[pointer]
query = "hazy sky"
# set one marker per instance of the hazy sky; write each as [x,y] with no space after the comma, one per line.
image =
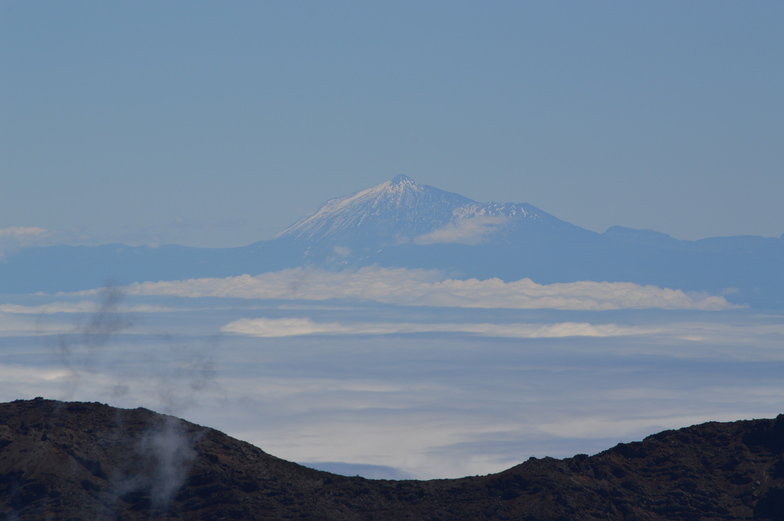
[220,123]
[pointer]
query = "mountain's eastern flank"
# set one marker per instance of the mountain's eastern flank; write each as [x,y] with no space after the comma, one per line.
[401,223]
[80,461]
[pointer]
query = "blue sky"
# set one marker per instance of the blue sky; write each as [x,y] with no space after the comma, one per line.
[219,124]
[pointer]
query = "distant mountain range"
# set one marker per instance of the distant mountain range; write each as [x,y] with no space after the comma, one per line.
[61,460]
[401,223]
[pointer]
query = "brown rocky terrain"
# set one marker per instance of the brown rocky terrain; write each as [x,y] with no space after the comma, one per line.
[89,461]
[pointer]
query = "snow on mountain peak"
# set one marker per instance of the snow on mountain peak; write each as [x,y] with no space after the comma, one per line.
[396,189]
[400,206]
[401,183]
[401,210]
[402,178]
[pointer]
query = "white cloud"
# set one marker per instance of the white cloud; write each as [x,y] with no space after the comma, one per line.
[16,238]
[83,306]
[20,320]
[281,327]
[430,288]
[471,231]
[20,232]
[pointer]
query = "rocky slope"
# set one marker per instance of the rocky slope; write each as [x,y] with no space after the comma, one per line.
[91,461]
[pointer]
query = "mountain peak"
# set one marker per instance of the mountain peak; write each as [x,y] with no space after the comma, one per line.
[401,211]
[398,207]
[397,187]
[402,179]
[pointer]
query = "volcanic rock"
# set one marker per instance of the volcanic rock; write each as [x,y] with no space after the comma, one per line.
[89,461]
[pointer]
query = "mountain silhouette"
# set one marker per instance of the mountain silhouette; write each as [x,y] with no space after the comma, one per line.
[89,461]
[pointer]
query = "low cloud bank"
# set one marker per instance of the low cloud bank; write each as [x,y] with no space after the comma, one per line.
[18,237]
[280,327]
[430,288]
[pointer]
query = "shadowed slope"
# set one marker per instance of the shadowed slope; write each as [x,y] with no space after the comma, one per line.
[91,461]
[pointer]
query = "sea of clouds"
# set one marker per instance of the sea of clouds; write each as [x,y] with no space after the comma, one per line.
[401,372]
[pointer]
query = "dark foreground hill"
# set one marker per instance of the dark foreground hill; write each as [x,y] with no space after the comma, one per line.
[90,461]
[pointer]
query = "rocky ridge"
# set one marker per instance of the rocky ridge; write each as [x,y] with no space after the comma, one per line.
[74,461]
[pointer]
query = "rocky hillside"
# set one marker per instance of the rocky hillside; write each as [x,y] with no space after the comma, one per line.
[90,461]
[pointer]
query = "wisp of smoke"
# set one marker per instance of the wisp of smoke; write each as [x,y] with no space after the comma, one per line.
[177,375]
[78,349]
[157,466]
[168,448]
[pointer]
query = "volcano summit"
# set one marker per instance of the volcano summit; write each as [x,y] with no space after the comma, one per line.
[404,224]
[402,211]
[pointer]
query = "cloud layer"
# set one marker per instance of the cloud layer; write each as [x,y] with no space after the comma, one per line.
[280,327]
[466,392]
[15,238]
[431,288]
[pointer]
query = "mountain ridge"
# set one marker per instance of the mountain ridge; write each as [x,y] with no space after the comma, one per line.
[76,460]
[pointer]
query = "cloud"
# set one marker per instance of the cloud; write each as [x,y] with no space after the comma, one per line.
[16,238]
[20,232]
[83,306]
[12,325]
[430,288]
[281,327]
[458,399]
[471,231]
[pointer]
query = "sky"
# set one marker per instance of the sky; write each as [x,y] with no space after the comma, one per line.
[218,124]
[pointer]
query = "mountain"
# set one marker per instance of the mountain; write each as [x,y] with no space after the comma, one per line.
[403,211]
[399,208]
[80,461]
[401,223]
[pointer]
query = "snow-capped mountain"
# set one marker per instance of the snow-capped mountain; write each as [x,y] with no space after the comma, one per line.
[399,207]
[404,224]
[402,211]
